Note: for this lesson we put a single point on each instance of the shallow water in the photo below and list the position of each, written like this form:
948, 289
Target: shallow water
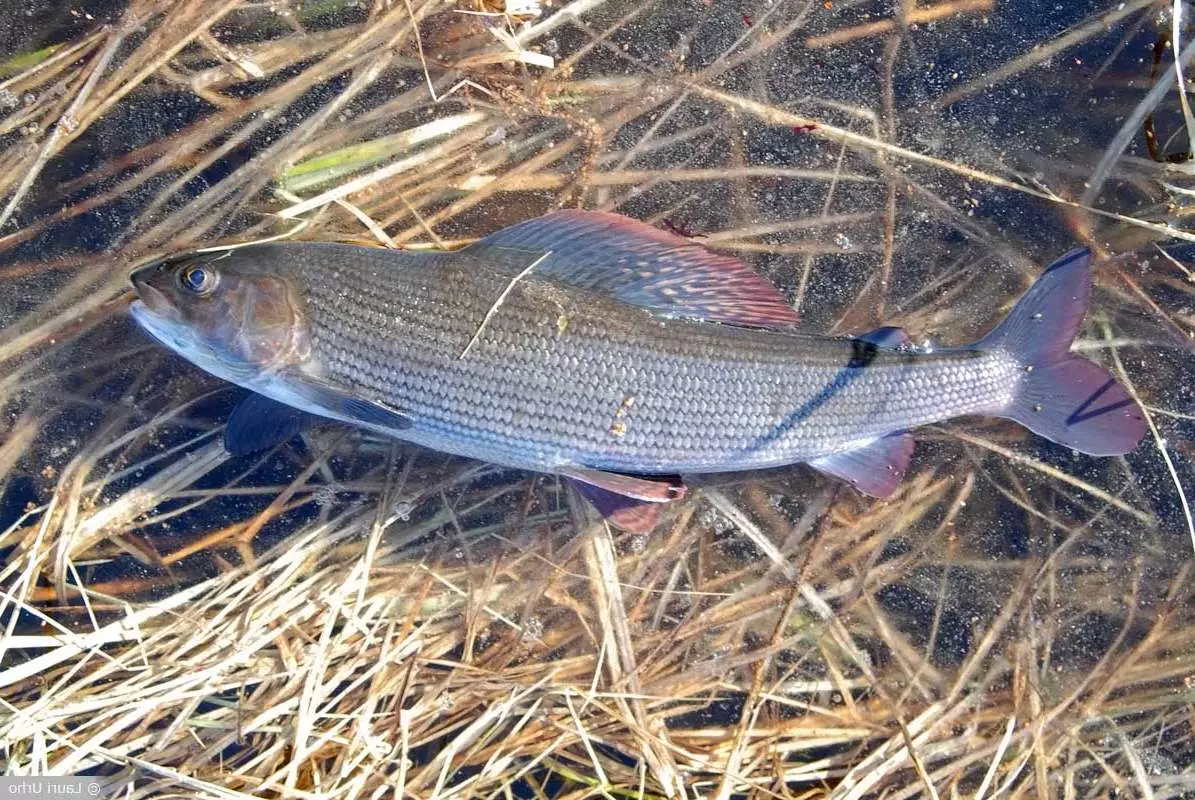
873, 179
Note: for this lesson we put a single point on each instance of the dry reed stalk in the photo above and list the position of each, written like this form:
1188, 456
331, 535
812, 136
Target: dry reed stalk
915, 16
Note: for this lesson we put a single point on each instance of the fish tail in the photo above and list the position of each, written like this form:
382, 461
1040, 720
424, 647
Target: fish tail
1061, 396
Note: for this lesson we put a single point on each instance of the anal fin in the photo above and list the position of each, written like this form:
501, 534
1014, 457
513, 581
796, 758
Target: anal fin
875, 469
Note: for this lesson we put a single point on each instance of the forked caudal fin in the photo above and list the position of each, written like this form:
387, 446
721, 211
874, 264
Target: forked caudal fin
1060, 396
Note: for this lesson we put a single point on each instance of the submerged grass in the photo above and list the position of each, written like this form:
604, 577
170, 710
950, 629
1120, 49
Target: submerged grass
345, 617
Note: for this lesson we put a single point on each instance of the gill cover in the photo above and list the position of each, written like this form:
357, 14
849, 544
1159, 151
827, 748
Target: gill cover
220, 308
241, 317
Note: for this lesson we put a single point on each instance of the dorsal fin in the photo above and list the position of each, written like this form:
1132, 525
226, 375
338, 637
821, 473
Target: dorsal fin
638, 264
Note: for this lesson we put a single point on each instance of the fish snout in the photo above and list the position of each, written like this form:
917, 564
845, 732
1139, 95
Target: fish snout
146, 281
153, 299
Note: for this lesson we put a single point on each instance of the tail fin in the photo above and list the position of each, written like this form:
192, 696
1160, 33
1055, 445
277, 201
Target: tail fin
1063, 397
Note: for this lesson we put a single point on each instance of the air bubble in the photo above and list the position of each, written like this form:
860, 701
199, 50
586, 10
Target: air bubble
496, 136
324, 497
533, 631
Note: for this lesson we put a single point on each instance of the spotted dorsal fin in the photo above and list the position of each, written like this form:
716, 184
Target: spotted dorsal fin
638, 264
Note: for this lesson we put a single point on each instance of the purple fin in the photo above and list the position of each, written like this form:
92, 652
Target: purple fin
1079, 404
259, 423
1042, 324
624, 513
1063, 397
888, 337
638, 264
649, 490
875, 469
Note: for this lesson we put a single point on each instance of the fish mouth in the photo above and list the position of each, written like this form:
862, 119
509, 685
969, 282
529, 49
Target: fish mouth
154, 311
154, 300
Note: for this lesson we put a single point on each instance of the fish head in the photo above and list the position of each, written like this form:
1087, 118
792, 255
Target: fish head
225, 311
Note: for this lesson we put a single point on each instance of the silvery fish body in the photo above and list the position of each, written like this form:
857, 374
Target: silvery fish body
564, 376
594, 346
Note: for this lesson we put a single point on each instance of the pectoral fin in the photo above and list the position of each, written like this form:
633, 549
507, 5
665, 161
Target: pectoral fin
321, 397
875, 469
259, 423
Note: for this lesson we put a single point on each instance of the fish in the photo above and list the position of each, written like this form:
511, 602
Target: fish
611, 353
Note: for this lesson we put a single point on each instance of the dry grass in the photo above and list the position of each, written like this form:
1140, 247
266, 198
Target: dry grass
358, 619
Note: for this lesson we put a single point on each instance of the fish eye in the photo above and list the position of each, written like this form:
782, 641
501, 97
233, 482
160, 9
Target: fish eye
198, 280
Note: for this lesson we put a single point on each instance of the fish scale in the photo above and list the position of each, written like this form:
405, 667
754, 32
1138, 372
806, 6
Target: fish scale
706, 397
